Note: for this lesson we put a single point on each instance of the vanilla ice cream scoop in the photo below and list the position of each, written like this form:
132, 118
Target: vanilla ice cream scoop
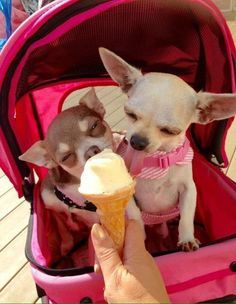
106, 182
104, 173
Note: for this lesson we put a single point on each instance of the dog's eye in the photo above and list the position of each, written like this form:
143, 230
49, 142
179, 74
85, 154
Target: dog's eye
94, 126
66, 157
132, 116
167, 131
172, 131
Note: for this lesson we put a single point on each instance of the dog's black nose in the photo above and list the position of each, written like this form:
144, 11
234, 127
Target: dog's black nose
138, 142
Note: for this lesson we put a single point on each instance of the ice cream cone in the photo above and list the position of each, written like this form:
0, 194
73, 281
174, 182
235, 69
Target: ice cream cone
106, 182
111, 210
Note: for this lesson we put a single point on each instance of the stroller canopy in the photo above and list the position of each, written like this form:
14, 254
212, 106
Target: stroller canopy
56, 51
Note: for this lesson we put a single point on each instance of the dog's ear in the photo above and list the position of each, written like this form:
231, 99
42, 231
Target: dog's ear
91, 101
37, 154
214, 107
119, 70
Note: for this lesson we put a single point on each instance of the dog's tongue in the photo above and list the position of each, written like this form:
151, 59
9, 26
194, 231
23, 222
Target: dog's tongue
134, 160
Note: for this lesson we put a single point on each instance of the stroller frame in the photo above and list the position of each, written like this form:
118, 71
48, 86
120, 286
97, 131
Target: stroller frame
32, 69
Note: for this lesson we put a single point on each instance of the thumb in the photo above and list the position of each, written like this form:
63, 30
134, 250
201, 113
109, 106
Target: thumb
134, 242
106, 253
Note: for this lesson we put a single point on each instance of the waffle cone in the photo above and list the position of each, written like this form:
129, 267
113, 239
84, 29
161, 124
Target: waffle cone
111, 210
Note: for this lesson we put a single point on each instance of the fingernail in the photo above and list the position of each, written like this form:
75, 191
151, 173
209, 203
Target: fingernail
97, 268
99, 232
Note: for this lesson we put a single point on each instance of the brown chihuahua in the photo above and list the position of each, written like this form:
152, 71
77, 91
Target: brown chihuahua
74, 136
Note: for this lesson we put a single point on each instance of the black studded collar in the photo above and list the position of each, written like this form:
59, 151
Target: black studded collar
66, 200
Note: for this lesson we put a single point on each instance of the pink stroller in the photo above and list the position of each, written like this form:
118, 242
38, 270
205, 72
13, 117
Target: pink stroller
56, 52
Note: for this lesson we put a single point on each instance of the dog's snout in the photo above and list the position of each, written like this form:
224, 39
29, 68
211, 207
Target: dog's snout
138, 142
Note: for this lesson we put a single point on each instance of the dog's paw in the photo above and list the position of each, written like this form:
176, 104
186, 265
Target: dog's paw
191, 245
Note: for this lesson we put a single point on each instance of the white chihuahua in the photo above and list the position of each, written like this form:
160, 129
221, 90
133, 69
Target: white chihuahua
160, 108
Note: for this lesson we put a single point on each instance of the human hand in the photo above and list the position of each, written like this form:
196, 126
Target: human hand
136, 279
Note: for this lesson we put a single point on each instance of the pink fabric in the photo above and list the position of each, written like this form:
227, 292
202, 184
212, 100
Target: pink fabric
215, 191
201, 275
189, 277
38, 247
219, 274
7, 54
46, 240
154, 165
65, 27
211, 6
16, 41
50, 37
154, 219
81, 286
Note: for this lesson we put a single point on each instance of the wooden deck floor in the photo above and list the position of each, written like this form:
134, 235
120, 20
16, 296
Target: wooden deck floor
16, 284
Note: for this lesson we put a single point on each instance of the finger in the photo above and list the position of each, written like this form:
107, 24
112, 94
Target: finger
134, 241
106, 253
